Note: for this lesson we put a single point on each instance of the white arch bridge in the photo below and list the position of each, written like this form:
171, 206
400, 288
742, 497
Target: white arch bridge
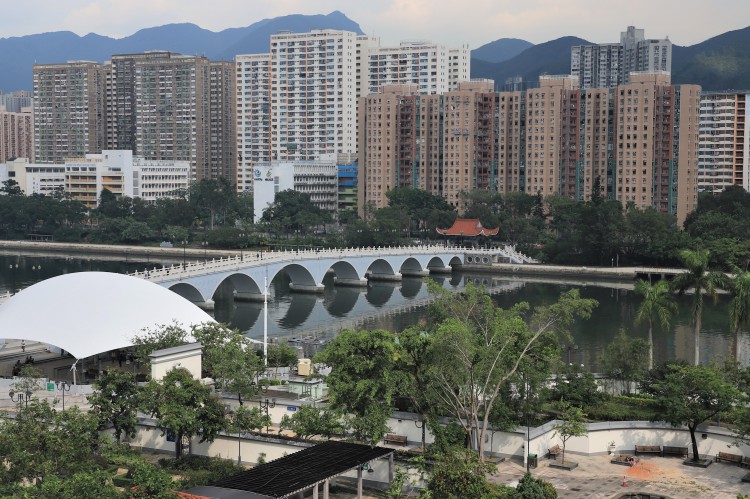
199, 281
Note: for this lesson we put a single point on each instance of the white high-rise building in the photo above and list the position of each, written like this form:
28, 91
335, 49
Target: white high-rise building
723, 141
299, 102
253, 115
431, 67
607, 65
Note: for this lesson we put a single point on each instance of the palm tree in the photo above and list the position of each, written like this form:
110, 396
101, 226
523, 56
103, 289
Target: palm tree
739, 307
703, 281
658, 303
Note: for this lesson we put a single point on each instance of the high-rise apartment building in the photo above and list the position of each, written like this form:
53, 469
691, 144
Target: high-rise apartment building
15, 134
636, 143
444, 144
69, 116
313, 94
14, 102
300, 101
253, 74
607, 65
170, 106
724, 141
431, 67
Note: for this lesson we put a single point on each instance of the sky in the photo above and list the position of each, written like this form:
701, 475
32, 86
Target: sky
454, 22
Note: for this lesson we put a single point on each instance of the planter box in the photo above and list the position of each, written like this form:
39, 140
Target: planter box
701, 463
567, 465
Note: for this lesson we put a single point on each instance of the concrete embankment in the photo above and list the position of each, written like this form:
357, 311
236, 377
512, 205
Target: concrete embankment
565, 271
148, 253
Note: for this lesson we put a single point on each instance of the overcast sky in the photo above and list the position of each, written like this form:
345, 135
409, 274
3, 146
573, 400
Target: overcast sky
452, 22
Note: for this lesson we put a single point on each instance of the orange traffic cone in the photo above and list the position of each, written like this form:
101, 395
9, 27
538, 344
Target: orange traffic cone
624, 482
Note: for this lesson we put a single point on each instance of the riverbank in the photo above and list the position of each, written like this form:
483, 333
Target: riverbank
148, 253
622, 274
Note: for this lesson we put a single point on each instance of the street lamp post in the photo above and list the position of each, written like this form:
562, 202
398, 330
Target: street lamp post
264, 406
63, 386
205, 248
184, 249
235, 416
20, 396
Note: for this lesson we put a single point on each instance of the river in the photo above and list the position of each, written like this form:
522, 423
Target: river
394, 306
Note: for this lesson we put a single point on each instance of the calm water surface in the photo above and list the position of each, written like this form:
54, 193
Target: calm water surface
395, 306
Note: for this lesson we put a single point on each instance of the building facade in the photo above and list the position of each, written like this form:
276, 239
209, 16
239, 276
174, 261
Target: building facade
724, 141
15, 134
636, 143
299, 102
15, 102
69, 115
34, 178
317, 179
607, 65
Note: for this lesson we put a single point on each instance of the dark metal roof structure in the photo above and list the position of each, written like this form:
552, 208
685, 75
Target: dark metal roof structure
299, 471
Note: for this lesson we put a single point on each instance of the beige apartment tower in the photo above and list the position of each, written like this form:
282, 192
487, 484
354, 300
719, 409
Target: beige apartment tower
15, 134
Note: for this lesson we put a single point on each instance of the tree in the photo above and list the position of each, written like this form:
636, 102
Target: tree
27, 381
41, 442
363, 380
213, 199
703, 281
691, 395
739, 306
82, 484
183, 407
658, 303
11, 188
308, 421
478, 347
149, 340
115, 402
231, 359
459, 474
533, 488
246, 419
414, 364
625, 361
281, 355
293, 210
150, 482
576, 386
572, 425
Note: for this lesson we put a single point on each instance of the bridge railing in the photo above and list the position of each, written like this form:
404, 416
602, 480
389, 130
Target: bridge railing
253, 259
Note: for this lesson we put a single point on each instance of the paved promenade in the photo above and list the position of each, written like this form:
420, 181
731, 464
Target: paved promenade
597, 478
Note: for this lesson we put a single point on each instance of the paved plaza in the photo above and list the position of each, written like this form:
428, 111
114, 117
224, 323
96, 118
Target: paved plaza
596, 477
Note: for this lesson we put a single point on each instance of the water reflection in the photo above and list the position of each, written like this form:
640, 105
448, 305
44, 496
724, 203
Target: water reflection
381, 305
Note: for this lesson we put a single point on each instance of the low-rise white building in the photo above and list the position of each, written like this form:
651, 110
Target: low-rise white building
317, 179
34, 178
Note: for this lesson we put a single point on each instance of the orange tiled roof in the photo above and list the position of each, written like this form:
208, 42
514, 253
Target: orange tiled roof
468, 227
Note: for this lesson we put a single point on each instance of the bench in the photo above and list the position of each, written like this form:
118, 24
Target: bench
552, 452
745, 462
674, 451
390, 438
730, 458
647, 449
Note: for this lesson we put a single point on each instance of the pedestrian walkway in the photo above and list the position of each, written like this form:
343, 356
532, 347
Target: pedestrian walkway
597, 478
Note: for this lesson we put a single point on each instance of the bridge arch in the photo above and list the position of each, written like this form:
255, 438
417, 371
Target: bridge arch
411, 265
244, 284
381, 267
301, 278
345, 270
188, 291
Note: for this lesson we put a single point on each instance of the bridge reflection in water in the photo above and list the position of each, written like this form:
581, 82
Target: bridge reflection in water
322, 316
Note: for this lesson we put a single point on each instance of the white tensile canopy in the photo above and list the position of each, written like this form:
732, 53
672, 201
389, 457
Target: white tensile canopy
87, 313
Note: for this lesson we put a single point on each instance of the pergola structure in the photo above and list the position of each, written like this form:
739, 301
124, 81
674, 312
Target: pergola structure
297, 473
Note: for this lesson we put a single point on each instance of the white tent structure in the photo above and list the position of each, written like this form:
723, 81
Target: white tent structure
87, 313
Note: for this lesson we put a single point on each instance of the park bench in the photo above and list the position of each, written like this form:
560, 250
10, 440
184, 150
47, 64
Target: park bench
390, 438
647, 449
730, 458
674, 451
553, 451
745, 462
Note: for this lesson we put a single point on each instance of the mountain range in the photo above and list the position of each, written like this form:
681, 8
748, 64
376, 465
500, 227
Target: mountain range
719, 63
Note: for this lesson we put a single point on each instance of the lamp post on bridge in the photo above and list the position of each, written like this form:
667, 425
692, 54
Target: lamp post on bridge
184, 249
